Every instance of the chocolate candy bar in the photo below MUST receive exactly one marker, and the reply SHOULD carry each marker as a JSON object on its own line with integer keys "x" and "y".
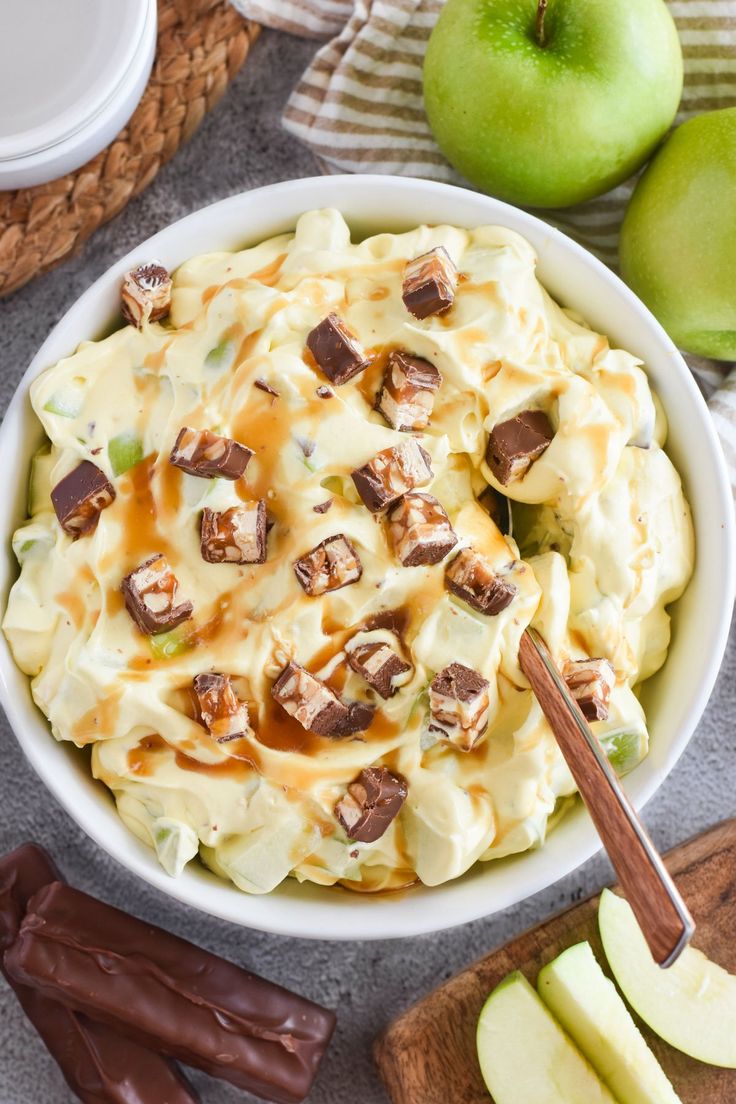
{"x": 146, "y": 294}
{"x": 80, "y": 497}
{"x": 391, "y": 473}
{"x": 472, "y": 578}
{"x": 515, "y": 444}
{"x": 151, "y": 593}
{"x": 429, "y": 283}
{"x": 459, "y": 704}
{"x": 420, "y": 530}
{"x": 407, "y": 395}
{"x": 205, "y": 454}
{"x": 223, "y": 714}
{"x": 170, "y": 995}
{"x": 591, "y": 682}
{"x": 373, "y": 800}
{"x": 237, "y": 535}
{"x": 336, "y": 350}
{"x": 376, "y": 661}
{"x": 334, "y": 563}
{"x": 499, "y": 509}
{"x": 316, "y": 707}
{"x": 99, "y": 1065}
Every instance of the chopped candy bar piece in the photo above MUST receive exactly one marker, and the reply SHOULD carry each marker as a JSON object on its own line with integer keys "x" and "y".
{"x": 407, "y": 395}
{"x": 429, "y": 283}
{"x": 391, "y": 473}
{"x": 334, "y": 563}
{"x": 151, "y": 593}
{"x": 236, "y": 536}
{"x": 591, "y": 682}
{"x": 472, "y": 578}
{"x": 223, "y": 714}
{"x": 459, "y": 704}
{"x": 146, "y": 294}
{"x": 205, "y": 454}
{"x": 310, "y": 701}
{"x": 360, "y": 717}
{"x": 372, "y": 801}
{"x": 336, "y": 350}
{"x": 499, "y": 509}
{"x": 80, "y": 497}
{"x": 380, "y": 666}
{"x": 515, "y": 444}
{"x": 420, "y": 530}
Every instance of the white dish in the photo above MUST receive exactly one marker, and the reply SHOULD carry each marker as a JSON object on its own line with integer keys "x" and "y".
{"x": 674, "y": 699}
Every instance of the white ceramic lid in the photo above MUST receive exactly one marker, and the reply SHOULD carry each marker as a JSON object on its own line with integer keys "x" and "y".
{"x": 61, "y": 61}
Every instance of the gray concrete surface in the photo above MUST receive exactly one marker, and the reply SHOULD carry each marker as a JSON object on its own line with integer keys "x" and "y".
{"x": 240, "y": 146}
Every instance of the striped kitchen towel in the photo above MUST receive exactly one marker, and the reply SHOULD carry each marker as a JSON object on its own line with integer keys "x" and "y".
{"x": 359, "y": 108}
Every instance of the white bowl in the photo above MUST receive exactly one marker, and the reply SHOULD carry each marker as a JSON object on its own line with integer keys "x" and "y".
{"x": 675, "y": 698}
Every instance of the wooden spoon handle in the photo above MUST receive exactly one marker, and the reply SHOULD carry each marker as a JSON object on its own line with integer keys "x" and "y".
{"x": 656, "y": 901}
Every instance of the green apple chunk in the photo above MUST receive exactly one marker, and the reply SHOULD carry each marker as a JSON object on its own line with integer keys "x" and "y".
{"x": 678, "y": 240}
{"x": 691, "y": 1005}
{"x": 548, "y": 108}
{"x": 586, "y": 1003}
{"x": 525, "y": 1056}
{"x": 125, "y": 451}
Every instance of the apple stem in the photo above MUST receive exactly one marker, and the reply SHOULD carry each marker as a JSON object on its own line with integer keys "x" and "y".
{"x": 541, "y": 10}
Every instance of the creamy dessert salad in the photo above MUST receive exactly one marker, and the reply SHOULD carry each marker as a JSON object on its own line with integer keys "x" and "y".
{"x": 286, "y": 532}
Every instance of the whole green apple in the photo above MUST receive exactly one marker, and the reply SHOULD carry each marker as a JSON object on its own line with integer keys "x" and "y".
{"x": 678, "y": 240}
{"x": 547, "y": 103}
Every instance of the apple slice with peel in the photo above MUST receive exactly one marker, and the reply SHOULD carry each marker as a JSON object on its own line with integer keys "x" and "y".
{"x": 525, "y": 1056}
{"x": 691, "y": 1005}
{"x": 586, "y": 1003}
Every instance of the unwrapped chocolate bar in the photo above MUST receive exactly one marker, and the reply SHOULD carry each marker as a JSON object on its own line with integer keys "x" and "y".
{"x": 515, "y": 444}
{"x": 146, "y": 294}
{"x": 317, "y": 707}
{"x": 407, "y": 395}
{"x": 222, "y": 713}
{"x": 80, "y": 497}
{"x": 429, "y": 283}
{"x": 334, "y": 563}
{"x": 336, "y": 350}
{"x": 379, "y": 664}
{"x": 371, "y": 803}
{"x": 459, "y": 705}
{"x": 470, "y": 577}
{"x": 236, "y": 536}
{"x": 391, "y": 473}
{"x": 591, "y": 682}
{"x": 207, "y": 455}
{"x": 170, "y": 995}
{"x": 99, "y": 1065}
{"x": 151, "y": 597}
{"x": 420, "y": 530}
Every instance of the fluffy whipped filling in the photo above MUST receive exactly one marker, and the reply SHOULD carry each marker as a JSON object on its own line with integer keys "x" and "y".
{"x": 602, "y": 543}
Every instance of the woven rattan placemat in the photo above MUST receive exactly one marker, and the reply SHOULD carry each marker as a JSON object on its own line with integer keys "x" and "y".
{"x": 201, "y": 46}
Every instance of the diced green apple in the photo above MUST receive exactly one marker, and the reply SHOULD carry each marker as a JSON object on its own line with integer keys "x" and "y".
{"x": 525, "y": 1056}
{"x": 221, "y": 356}
{"x": 588, "y": 1006}
{"x": 625, "y": 750}
{"x": 175, "y": 842}
{"x": 169, "y": 644}
{"x": 691, "y": 1005}
{"x": 125, "y": 451}
{"x": 67, "y": 401}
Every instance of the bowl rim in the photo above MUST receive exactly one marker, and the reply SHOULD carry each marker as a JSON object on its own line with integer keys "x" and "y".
{"x": 329, "y": 916}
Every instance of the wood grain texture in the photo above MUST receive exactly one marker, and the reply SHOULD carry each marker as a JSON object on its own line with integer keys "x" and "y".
{"x": 428, "y": 1055}
{"x": 662, "y": 915}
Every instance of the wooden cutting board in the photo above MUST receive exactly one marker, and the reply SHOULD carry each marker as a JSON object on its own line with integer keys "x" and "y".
{"x": 427, "y": 1056}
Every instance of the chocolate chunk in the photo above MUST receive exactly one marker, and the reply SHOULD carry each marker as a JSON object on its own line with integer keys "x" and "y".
{"x": 499, "y": 509}
{"x": 99, "y": 1065}
{"x": 263, "y": 385}
{"x": 146, "y": 294}
{"x": 373, "y": 800}
{"x": 336, "y": 350}
{"x": 472, "y": 578}
{"x": 334, "y": 563}
{"x": 205, "y": 454}
{"x": 380, "y": 666}
{"x": 236, "y": 536}
{"x": 170, "y": 995}
{"x": 391, "y": 473}
{"x": 310, "y": 701}
{"x": 360, "y": 717}
{"x": 429, "y": 283}
{"x": 420, "y": 530}
{"x": 151, "y": 593}
{"x": 323, "y": 507}
{"x": 459, "y": 705}
{"x": 80, "y": 497}
{"x": 407, "y": 395}
{"x": 591, "y": 682}
{"x": 515, "y": 444}
{"x": 223, "y": 714}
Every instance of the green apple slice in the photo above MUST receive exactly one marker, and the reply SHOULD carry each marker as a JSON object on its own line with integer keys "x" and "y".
{"x": 691, "y": 1005}
{"x": 68, "y": 401}
{"x": 625, "y": 749}
{"x": 221, "y": 356}
{"x": 167, "y": 645}
{"x": 125, "y": 451}
{"x": 525, "y": 1056}
{"x": 586, "y": 1003}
